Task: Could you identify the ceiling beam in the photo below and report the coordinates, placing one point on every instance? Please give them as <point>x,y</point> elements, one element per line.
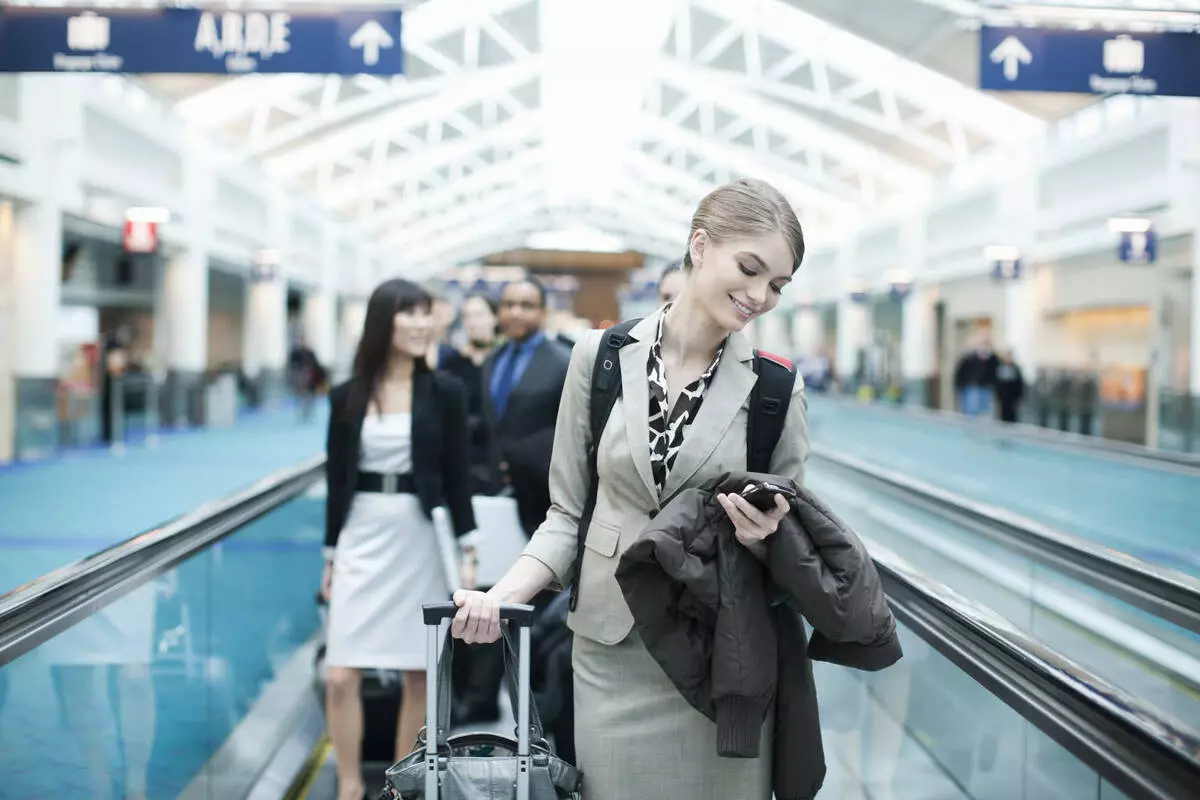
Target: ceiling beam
<point>362,133</point>
<point>378,182</point>
<point>466,215</point>
<point>826,45</point>
<point>798,130</point>
<point>746,163</point>
<point>503,172</point>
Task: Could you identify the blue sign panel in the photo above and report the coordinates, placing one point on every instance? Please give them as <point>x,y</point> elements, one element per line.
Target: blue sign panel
<point>1091,62</point>
<point>176,40</point>
<point>1009,270</point>
<point>1138,247</point>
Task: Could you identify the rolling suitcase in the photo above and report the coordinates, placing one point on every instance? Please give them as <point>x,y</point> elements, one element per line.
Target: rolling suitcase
<point>479,766</point>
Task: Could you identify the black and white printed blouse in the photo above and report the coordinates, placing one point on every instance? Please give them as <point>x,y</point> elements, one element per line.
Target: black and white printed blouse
<point>667,425</point>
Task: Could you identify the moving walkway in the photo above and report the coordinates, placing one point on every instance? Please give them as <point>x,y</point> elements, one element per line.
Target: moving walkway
<point>179,664</point>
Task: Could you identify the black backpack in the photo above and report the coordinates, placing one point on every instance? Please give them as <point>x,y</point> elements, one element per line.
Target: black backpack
<point>768,412</point>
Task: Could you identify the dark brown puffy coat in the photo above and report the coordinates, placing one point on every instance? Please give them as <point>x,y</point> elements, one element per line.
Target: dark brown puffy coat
<point>725,627</point>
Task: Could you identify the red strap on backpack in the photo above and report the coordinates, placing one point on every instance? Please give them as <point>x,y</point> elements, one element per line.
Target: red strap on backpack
<point>786,363</point>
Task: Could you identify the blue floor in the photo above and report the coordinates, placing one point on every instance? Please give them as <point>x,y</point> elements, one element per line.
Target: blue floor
<point>1146,512</point>
<point>59,511</point>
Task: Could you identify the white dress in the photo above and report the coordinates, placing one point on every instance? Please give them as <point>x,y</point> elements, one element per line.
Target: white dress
<point>387,563</point>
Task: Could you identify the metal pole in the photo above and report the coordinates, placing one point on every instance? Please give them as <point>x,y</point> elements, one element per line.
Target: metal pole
<point>152,417</point>
<point>523,716</point>
<point>117,415</point>
<point>432,734</point>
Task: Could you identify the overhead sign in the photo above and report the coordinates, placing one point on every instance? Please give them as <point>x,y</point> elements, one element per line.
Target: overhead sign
<point>191,41</point>
<point>1138,247</point>
<point>1008,269</point>
<point>140,236</point>
<point>1090,62</point>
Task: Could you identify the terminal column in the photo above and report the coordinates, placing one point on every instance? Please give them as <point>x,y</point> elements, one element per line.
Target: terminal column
<point>1024,304</point>
<point>320,328</point>
<point>350,325</point>
<point>320,306</point>
<point>186,289</point>
<point>853,334</point>
<point>265,340</point>
<point>1194,348</point>
<point>918,346</point>
<point>808,334</point>
<point>772,332</point>
<point>35,241</point>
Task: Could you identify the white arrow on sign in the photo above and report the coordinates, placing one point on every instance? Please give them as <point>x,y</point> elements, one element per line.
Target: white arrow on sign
<point>1013,52</point>
<point>370,38</point>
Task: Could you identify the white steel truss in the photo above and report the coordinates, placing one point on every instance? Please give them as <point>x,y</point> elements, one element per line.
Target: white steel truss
<point>770,48</point>
<point>474,147</point>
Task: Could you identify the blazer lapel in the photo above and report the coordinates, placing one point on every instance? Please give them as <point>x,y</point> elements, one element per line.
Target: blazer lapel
<point>635,397</point>
<point>425,424</point>
<point>530,378</point>
<point>728,392</point>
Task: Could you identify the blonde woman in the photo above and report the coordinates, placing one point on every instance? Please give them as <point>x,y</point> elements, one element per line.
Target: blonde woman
<point>686,377</point>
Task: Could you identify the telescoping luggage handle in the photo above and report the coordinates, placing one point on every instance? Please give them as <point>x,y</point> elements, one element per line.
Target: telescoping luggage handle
<point>522,617</point>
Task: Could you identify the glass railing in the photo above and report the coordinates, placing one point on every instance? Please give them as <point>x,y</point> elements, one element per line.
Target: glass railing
<point>182,679</point>
<point>1178,421</point>
<point>1109,613</point>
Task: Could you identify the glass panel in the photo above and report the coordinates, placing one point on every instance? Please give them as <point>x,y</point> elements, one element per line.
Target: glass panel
<point>1136,651</point>
<point>1110,792</point>
<point>925,729</point>
<point>137,700</point>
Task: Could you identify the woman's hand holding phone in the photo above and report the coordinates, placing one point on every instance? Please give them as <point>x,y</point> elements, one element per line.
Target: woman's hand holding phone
<point>753,526</point>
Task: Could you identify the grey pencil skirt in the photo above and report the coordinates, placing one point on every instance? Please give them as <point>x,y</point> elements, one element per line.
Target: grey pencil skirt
<point>636,738</point>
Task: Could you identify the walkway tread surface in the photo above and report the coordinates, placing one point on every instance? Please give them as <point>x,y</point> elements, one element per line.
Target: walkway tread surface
<point>1146,512</point>
<point>58,511</point>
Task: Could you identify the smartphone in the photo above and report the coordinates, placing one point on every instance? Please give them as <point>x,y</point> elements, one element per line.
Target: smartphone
<point>762,495</point>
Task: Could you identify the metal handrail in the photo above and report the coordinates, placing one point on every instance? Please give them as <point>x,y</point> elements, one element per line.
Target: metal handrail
<point>1132,745</point>
<point>1162,591</point>
<point>35,612</point>
<point>1188,463</point>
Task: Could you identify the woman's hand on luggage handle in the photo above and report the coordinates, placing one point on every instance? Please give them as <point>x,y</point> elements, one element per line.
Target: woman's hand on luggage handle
<point>478,617</point>
<point>752,526</point>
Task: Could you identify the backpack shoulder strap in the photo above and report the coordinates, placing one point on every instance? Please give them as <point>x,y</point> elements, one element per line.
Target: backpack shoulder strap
<point>769,402</point>
<point>605,389</point>
<point>606,377</point>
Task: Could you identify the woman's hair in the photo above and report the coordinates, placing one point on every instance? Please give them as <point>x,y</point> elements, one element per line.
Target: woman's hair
<point>746,207</point>
<point>491,303</point>
<point>375,347</point>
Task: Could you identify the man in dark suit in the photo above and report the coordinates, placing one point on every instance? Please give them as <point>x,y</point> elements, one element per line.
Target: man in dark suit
<point>523,383</point>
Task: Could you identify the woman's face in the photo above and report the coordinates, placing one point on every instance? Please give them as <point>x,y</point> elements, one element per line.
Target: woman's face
<point>411,331</point>
<point>478,320</point>
<point>736,280</point>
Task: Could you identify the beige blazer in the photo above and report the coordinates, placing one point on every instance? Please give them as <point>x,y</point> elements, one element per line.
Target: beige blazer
<point>714,443</point>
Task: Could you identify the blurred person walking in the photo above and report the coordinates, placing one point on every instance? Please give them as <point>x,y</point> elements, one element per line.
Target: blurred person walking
<point>1010,387</point>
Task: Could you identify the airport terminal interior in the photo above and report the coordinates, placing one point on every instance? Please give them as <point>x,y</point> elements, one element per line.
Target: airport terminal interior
<point>996,322</point>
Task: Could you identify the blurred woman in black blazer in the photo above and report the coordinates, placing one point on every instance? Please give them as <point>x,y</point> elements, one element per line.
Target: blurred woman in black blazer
<point>397,449</point>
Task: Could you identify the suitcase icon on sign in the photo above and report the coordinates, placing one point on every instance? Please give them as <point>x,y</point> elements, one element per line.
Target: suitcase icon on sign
<point>88,31</point>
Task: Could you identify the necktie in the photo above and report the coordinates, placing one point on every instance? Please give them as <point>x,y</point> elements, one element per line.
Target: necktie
<point>507,378</point>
